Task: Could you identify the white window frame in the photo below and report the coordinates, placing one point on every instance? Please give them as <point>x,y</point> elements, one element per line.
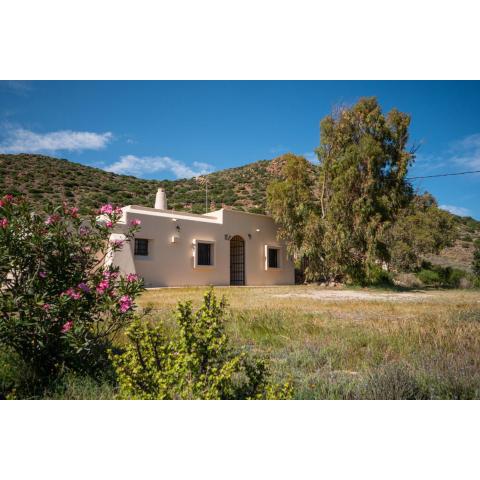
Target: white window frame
<point>213,254</point>
<point>279,258</point>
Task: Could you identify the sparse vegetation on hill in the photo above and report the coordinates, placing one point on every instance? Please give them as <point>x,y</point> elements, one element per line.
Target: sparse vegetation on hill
<point>47,180</point>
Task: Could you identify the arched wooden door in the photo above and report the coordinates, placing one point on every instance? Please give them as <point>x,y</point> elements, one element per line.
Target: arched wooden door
<point>237,261</point>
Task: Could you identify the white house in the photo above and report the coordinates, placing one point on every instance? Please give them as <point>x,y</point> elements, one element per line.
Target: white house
<point>224,247</point>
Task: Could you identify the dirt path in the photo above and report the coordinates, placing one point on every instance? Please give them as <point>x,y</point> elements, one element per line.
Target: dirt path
<point>336,295</point>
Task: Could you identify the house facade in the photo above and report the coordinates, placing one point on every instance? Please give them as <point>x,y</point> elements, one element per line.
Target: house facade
<point>224,247</point>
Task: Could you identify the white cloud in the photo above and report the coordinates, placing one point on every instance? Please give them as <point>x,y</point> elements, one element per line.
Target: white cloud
<point>461,211</point>
<point>21,140</point>
<point>466,152</point>
<point>139,166</point>
<point>19,87</point>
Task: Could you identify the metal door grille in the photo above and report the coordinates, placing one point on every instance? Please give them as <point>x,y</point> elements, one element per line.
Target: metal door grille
<point>237,261</point>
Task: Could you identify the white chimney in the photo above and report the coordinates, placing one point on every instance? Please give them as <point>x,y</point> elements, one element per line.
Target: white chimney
<point>161,199</point>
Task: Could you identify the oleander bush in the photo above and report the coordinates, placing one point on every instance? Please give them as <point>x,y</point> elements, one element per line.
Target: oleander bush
<point>197,363</point>
<point>61,302</point>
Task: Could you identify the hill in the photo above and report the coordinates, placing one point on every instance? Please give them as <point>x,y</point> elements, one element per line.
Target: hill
<point>46,179</point>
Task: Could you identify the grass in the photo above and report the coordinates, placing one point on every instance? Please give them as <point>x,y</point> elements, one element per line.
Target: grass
<point>338,343</point>
<point>426,345</point>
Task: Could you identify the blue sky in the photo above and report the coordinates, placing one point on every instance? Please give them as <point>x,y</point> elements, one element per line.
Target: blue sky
<point>182,128</point>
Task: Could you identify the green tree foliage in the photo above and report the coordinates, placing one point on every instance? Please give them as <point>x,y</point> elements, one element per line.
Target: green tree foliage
<point>294,208</point>
<point>60,302</point>
<point>340,223</point>
<point>196,364</point>
<point>421,228</point>
<point>363,163</point>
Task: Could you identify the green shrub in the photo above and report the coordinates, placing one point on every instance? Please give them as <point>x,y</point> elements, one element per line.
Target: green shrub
<point>377,276</point>
<point>476,260</point>
<point>435,275</point>
<point>454,277</point>
<point>60,302</point>
<point>394,381</point>
<point>429,277</point>
<point>196,364</point>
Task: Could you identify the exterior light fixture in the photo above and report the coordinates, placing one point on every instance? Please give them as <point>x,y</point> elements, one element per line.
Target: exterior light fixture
<point>257,230</point>
<point>178,228</point>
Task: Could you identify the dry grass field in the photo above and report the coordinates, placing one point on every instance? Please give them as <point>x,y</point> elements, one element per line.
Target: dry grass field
<point>352,343</point>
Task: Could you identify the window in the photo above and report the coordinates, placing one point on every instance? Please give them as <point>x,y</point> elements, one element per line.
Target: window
<point>204,254</point>
<point>272,257</point>
<point>141,246</point>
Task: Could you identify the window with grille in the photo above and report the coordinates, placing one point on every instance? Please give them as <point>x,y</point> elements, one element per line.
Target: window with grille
<point>141,246</point>
<point>204,254</point>
<point>272,257</point>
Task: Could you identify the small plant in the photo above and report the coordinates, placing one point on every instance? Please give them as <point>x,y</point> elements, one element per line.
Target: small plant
<point>61,303</point>
<point>196,364</point>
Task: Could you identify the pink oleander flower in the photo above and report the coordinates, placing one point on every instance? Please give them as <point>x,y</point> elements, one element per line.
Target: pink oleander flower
<point>132,277</point>
<point>74,212</point>
<point>117,243</point>
<point>42,274</point>
<point>7,198</point>
<point>125,303</point>
<point>3,223</point>
<point>102,286</point>
<point>72,294</point>
<point>67,326</point>
<point>2,203</point>
<point>108,274</point>
<point>109,224</point>
<point>135,222</point>
<point>46,307</point>
<point>118,211</point>
<point>84,287</point>
<point>51,219</point>
<point>108,209</point>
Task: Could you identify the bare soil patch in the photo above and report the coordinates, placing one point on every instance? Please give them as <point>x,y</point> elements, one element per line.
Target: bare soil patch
<point>336,295</point>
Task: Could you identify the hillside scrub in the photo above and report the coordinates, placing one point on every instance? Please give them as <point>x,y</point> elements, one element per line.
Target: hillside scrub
<point>48,181</point>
